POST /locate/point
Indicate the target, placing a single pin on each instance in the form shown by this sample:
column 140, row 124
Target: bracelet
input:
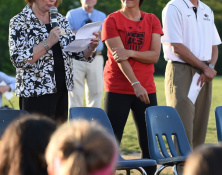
column 135, row 83
column 46, row 46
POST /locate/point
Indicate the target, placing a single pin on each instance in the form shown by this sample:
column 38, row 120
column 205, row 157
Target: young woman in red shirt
column 133, row 41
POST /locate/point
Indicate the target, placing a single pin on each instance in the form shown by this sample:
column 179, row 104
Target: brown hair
column 141, row 1
column 81, row 146
column 23, row 146
column 57, row 3
column 205, row 160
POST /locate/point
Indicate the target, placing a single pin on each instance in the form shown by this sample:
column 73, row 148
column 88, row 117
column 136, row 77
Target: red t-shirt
column 135, row 35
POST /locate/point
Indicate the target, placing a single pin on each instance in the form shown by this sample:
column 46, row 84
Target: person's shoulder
column 61, row 16
column 145, row 14
column 75, row 11
column 148, row 15
column 112, row 18
column 99, row 12
column 205, row 6
column 174, row 5
column 21, row 16
column 1, row 74
column 175, row 2
column 114, row 14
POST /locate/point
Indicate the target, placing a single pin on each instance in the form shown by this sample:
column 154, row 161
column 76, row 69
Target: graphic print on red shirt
column 134, row 40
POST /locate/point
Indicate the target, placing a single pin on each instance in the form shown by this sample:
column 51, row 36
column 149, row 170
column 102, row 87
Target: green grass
column 130, row 144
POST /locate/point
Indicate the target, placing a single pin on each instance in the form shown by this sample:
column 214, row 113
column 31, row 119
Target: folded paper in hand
column 83, row 37
column 194, row 88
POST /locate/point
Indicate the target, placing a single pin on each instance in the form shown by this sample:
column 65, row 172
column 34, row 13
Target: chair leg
column 141, row 170
column 128, row 172
column 158, row 171
column 175, row 170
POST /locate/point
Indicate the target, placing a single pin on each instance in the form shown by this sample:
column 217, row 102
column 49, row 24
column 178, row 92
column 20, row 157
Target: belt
column 178, row 62
column 98, row 52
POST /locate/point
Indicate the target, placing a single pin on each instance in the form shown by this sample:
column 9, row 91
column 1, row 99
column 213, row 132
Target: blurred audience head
column 23, row 146
column 81, row 148
column 205, row 160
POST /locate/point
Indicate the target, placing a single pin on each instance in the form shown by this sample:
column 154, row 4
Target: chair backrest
column 164, row 122
column 92, row 114
column 218, row 116
column 7, row 116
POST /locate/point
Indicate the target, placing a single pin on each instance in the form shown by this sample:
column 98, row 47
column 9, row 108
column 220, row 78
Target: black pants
column 54, row 105
column 117, row 107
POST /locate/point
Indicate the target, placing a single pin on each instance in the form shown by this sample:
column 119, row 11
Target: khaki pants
column 178, row 78
column 90, row 74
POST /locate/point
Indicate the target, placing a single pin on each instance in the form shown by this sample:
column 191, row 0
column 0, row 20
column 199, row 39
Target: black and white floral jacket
column 27, row 31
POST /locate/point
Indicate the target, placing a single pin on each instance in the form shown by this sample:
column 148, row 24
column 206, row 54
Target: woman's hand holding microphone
column 54, row 36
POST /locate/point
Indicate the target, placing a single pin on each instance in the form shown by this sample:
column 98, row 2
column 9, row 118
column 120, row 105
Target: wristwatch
column 211, row 66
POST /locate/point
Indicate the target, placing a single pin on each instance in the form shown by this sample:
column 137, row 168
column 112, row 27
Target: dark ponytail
column 141, row 1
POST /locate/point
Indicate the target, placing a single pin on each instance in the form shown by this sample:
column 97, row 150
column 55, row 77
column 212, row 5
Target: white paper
column 83, row 37
column 194, row 88
column 8, row 95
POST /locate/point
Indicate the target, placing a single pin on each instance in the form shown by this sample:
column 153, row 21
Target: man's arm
column 186, row 55
column 214, row 58
column 203, row 77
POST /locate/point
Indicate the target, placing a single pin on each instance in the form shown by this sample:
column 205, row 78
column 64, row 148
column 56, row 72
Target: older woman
column 44, row 70
column 133, row 41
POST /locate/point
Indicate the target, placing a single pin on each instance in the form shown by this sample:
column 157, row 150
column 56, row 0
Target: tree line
column 10, row 8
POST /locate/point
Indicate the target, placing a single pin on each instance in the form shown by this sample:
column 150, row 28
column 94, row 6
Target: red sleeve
column 156, row 26
column 109, row 29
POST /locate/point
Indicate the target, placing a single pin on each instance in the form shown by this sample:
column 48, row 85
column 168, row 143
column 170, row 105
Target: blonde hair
column 30, row 2
column 82, row 147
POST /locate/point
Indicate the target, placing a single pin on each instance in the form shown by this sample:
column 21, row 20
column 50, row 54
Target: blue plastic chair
column 7, row 116
column 164, row 122
column 218, row 116
column 99, row 115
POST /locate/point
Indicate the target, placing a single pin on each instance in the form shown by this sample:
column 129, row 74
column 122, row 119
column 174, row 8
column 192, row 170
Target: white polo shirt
column 196, row 31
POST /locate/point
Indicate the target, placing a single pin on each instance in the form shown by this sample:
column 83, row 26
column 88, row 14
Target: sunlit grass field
column 130, row 144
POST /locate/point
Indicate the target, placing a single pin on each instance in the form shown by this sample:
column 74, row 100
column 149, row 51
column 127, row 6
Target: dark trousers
column 54, row 105
column 117, row 107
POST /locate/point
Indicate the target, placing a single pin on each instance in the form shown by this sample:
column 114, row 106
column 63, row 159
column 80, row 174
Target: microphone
column 53, row 16
column 141, row 18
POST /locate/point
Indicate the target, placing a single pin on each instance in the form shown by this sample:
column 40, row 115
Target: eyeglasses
column 88, row 21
